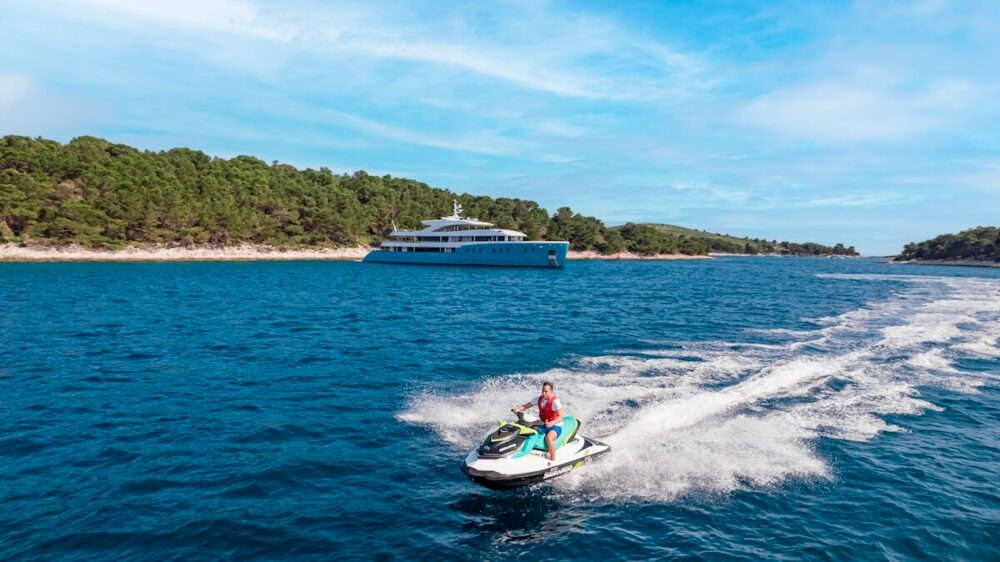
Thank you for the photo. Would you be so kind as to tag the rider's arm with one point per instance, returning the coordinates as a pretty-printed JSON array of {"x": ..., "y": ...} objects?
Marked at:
[
  {"x": 559, "y": 418},
  {"x": 522, "y": 407}
]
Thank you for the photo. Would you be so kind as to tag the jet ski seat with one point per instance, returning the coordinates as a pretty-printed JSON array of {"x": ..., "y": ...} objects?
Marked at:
[{"x": 569, "y": 428}]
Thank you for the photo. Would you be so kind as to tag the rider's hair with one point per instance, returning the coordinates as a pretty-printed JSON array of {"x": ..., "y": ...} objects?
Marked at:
[{"x": 548, "y": 384}]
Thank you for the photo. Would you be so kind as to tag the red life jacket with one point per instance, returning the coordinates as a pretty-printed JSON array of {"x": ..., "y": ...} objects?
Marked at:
[{"x": 547, "y": 413}]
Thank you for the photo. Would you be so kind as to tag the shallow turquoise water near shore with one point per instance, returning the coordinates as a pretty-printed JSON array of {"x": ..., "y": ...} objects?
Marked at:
[{"x": 779, "y": 408}]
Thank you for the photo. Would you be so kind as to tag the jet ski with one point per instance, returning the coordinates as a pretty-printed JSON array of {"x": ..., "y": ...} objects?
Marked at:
[{"x": 516, "y": 454}]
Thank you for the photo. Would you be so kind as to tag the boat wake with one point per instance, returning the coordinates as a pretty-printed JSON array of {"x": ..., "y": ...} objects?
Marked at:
[{"x": 720, "y": 416}]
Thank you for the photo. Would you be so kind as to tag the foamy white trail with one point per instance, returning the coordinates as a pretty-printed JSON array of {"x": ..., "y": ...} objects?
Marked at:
[{"x": 718, "y": 416}]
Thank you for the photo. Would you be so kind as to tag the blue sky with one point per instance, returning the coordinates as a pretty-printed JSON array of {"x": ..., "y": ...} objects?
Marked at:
[{"x": 871, "y": 123}]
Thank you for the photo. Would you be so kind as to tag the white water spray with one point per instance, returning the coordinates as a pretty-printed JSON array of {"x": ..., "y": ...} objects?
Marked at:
[{"x": 718, "y": 416}]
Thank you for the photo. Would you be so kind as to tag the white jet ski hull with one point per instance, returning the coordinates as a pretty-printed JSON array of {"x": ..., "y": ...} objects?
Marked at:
[{"x": 532, "y": 468}]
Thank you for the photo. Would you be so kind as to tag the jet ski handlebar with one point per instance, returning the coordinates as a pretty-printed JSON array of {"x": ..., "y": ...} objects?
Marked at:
[{"x": 531, "y": 421}]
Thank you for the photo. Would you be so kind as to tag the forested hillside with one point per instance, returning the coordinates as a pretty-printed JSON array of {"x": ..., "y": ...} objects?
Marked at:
[
  {"x": 982, "y": 243},
  {"x": 648, "y": 237},
  {"x": 100, "y": 194}
]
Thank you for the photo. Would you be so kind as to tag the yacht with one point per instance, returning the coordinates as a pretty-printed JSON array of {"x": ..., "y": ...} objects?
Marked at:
[{"x": 455, "y": 240}]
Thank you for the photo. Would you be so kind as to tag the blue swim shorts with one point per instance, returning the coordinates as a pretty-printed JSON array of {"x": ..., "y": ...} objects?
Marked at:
[{"x": 556, "y": 428}]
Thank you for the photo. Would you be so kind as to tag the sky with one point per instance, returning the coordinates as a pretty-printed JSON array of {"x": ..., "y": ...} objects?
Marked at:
[{"x": 872, "y": 123}]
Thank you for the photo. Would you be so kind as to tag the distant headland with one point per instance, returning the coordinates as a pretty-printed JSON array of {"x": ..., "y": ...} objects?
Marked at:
[
  {"x": 93, "y": 199},
  {"x": 978, "y": 246}
]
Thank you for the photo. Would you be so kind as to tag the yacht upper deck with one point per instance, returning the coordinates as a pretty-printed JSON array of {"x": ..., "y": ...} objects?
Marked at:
[{"x": 453, "y": 230}]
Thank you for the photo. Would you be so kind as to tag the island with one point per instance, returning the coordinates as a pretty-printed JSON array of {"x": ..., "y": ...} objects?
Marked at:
[
  {"x": 978, "y": 246},
  {"x": 94, "y": 199}
]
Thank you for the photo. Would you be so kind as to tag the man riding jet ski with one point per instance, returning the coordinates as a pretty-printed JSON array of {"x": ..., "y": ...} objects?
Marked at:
[{"x": 532, "y": 450}]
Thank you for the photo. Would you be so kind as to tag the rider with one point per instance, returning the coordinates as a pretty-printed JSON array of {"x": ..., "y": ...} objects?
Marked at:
[{"x": 551, "y": 413}]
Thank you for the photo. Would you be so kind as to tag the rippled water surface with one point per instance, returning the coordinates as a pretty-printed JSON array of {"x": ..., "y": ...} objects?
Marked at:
[{"x": 757, "y": 407}]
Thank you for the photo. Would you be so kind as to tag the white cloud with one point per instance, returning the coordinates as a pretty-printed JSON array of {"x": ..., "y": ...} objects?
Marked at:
[
  {"x": 14, "y": 89},
  {"x": 28, "y": 109},
  {"x": 232, "y": 16},
  {"x": 560, "y": 129},
  {"x": 553, "y": 52},
  {"x": 850, "y": 111},
  {"x": 716, "y": 193},
  {"x": 482, "y": 142},
  {"x": 848, "y": 201},
  {"x": 965, "y": 180},
  {"x": 544, "y": 50},
  {"x": 511, "y": 68}
]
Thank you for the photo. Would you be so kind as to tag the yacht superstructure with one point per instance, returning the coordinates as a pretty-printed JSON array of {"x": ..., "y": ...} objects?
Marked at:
[{"x": 455, "y": 240}]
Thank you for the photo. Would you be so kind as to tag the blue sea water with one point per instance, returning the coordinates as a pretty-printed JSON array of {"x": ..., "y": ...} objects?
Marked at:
[{"x": 757, "y": 408}]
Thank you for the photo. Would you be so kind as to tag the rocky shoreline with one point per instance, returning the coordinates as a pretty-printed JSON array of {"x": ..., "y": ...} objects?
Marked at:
[
  {"x": 17, "y": 253},
  {"x": 626, "y": 256},
  {"x": 961, "y": 263},
  {"x": 72, "y": 253}
]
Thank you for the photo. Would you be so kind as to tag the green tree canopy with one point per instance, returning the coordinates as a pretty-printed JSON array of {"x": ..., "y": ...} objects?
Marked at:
[
  {"x": 980, "y": 243},
  {"x": 97, "y": 193}
]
